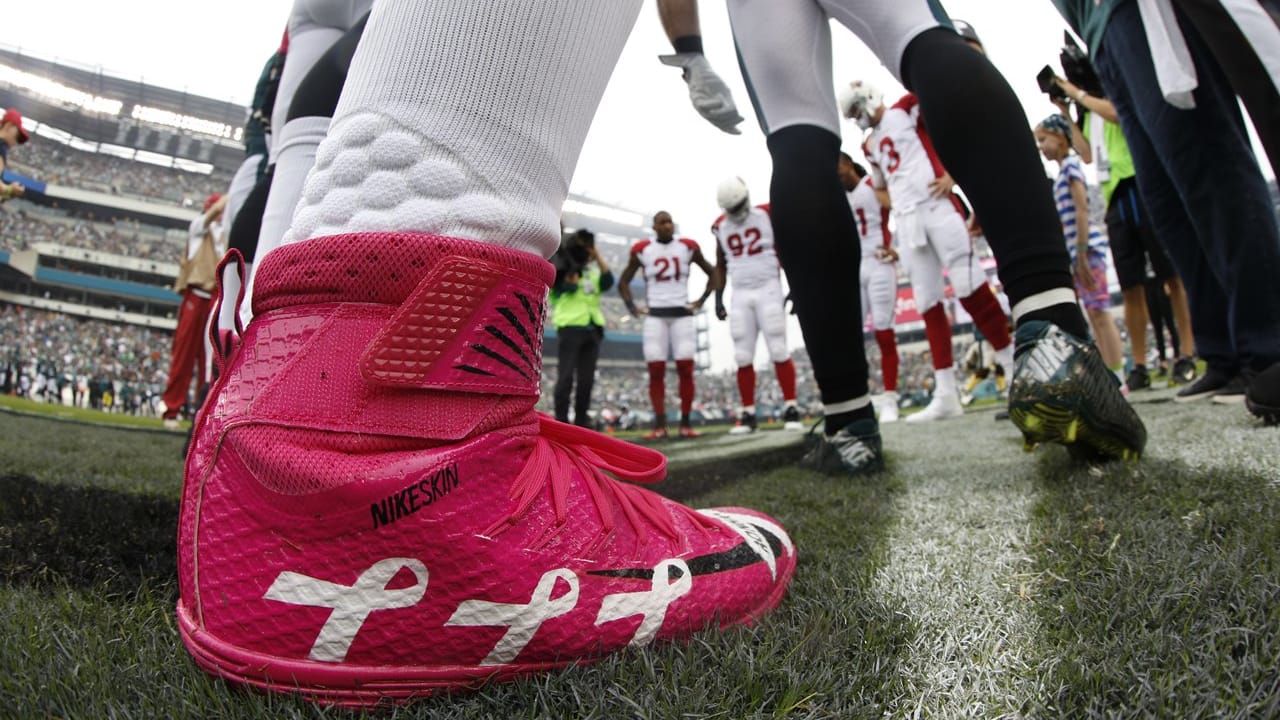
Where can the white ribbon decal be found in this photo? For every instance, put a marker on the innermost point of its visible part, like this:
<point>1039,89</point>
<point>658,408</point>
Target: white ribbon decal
<point>351,604</point>
<point>522,621</point>
<point>652,603</point>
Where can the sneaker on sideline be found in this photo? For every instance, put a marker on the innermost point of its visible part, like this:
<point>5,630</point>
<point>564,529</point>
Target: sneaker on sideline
<point>856,450</point>
<point>1204,387</point>
<point>1263,397</point>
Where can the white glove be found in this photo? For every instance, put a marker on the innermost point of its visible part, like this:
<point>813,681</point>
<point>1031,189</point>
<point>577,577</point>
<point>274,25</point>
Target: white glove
<point>708,93</point>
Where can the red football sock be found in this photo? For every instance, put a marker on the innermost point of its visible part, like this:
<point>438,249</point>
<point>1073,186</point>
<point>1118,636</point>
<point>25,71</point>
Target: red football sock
<point>787,378</point>
<point>888,343</point>
<point>684,370</point>
<point>658,391</point>
<point>988,316</point>
<point>747,385</point>
<point>938,331</point>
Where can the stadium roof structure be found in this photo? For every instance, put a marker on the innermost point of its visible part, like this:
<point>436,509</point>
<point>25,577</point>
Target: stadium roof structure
<point>93,106</point>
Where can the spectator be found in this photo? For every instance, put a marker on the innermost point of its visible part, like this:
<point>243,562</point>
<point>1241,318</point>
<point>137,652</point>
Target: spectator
<point>582,275</point>
<point>196,282</point>
<point>1135,250</point>
<point>11,135</point>
<point>1204,192</point>
<point>1087,247</point>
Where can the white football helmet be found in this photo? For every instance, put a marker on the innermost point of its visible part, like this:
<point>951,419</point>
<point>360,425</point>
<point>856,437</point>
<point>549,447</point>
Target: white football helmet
<point>734,197</point>
<point>858,101</point>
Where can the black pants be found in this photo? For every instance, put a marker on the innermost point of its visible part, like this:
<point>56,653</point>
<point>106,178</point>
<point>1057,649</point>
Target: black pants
<point>1244,70</point>
<point>579,351</point>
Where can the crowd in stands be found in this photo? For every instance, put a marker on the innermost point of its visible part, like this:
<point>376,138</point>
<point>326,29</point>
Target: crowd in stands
<point>59,164</point>
<point>23,224</point>
<point>55,358</point>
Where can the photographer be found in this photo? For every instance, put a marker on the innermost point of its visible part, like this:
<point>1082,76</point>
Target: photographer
<point>581,276</point>
<point>1207,200</point>
<point>1134,246</point>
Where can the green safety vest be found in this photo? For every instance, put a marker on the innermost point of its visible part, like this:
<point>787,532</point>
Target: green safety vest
<point>581,307</point>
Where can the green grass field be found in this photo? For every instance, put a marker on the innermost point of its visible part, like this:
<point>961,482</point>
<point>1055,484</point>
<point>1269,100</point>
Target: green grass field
<point>969,580</point>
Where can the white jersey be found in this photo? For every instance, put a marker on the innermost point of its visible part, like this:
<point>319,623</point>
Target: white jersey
<point>902,152</point>
<point>748,247</point>
<point>666,270</point>
<point>871,217</point>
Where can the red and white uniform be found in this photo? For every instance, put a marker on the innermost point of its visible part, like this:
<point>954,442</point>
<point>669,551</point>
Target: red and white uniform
<point>756,305</point>
<point>878,277</point>
<point>668,328</point>
<point>931,231</point>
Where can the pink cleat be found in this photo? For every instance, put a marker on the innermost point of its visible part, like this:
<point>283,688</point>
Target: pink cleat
<point>373,512</point>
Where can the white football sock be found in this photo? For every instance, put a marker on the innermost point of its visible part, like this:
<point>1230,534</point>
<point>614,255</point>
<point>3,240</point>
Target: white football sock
<point>464,119</point>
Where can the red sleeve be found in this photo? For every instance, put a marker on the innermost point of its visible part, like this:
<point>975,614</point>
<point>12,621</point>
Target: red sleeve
<point>866,151</point>
<point>715,226</point>
<point>639,247</point>
<point>766,209</point>
<point>927,142</point>
<point>907,103</point>
<point>691,244</point>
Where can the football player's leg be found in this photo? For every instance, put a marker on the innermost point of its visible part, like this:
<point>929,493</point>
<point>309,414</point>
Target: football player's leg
<point>657,344</point>
<point>791,92</point>
<point>399,342</point>
<point>882,293</point>
<point>405,154</point>
<point>684,344</point>
<point>950,237</point>
<point>307,115</point>
<point>773,325</point>
<point>242,184</point>
<point>991,154</point>
<point>925,271</point>
<point>744,329</point>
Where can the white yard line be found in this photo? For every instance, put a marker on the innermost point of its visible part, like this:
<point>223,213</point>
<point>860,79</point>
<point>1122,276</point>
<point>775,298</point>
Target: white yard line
<point>958,567</point>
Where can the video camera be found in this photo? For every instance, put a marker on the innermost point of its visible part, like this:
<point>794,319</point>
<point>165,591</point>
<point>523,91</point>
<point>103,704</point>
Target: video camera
<point>574,253</point>
<point>1075,67</point>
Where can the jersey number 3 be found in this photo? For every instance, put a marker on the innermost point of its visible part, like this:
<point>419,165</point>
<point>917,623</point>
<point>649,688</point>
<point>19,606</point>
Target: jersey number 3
<point>895,160</point>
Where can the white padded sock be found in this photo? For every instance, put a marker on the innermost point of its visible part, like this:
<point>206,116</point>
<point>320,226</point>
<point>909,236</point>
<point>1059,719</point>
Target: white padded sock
<point>464,119</point>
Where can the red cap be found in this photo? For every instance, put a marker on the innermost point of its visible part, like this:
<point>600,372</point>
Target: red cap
<point>209,201</point>
<point>15,117</point>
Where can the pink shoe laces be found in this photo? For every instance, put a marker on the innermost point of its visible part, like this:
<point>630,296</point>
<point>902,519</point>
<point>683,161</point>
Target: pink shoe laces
<point>559,449</point>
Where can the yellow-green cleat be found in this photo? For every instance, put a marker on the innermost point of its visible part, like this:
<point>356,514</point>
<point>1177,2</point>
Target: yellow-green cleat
<point>1062,392</point>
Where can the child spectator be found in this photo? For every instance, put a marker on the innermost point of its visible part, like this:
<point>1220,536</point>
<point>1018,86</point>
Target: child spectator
<point>1087,246</point>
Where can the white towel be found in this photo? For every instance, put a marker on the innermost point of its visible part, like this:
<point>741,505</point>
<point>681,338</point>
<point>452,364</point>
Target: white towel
<point>1175,70</point>
<point>910,226</point>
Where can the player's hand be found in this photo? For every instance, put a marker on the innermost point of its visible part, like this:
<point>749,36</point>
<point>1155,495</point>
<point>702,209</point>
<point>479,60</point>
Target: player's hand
<point>887,254</point>
<point>708,93</point>
<point>786,300</point>
<point>941,187</point>
<point>721,312</point>
<point>695,306</point>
